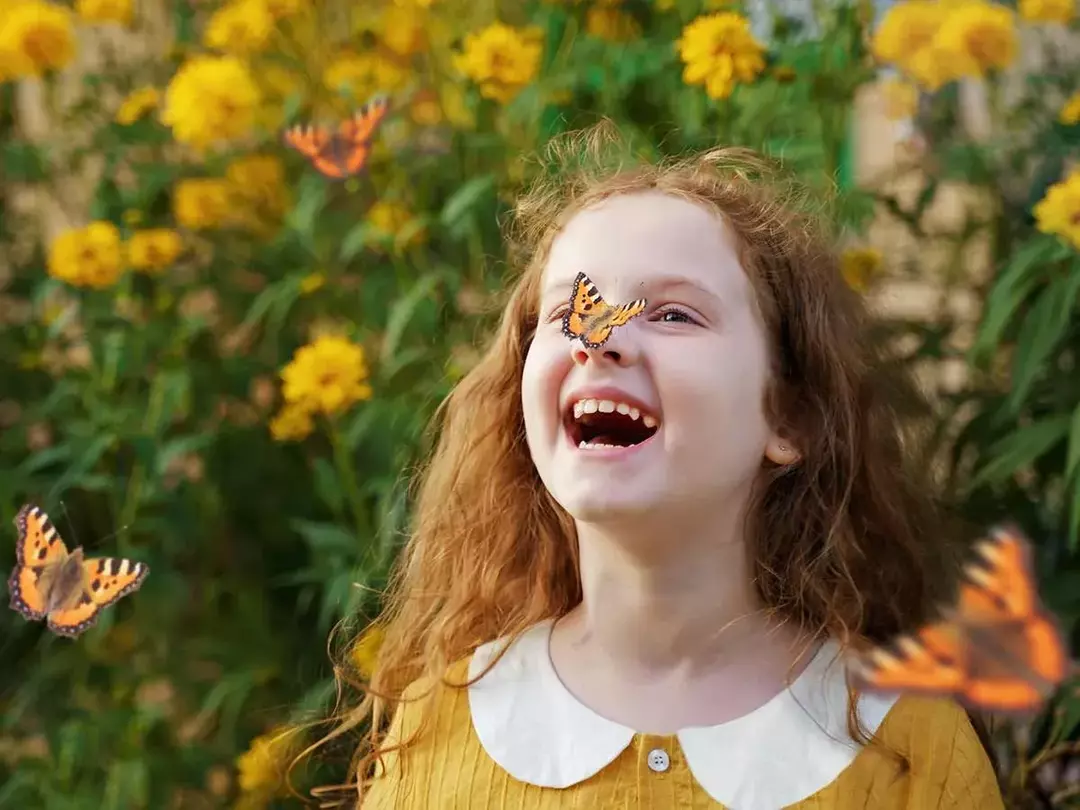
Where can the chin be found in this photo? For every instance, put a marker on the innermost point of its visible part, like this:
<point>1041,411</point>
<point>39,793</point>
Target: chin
<point>595,502</point>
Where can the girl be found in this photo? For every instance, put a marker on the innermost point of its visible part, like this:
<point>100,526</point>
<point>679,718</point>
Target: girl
<point>634,567</point>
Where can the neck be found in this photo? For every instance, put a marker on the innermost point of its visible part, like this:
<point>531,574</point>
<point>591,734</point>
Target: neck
<point>680,601</point>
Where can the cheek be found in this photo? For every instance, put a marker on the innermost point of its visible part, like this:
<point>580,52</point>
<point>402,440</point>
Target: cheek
<point>541,378</point>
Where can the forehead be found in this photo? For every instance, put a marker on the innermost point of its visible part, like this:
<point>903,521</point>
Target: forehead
<point>626,242</point>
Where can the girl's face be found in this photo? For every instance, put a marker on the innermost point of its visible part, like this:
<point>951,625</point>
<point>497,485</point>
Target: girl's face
<point>693,367</point>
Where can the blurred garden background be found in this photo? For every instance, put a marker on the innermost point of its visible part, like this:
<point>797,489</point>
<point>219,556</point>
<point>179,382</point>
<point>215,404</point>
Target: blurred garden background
<point>217,361</point>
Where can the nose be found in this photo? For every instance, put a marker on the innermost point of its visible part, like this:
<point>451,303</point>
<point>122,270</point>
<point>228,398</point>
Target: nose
<point>620,349</point>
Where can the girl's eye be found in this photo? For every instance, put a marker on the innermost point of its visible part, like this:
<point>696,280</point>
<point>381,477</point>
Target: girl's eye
<point>675,315</point>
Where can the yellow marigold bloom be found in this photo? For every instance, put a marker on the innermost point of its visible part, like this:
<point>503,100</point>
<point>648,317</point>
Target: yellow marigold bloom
<point>292,424</point>
<point>240,27</point>
<point>202,203</point>
<point>363,75</point>
<point>87,257</point>
<point>137,104</point>
<point>153,249</point>
<point>100,11</point>
<point>286,8</point>
<point>901,99</point>
<point>365,651</point>
<point>1059,211</point>
<point>262,767</point>
<point>1053,11</point>
<point>859,266</point>
<point>257,183</point>
<point>719,51</point>
<point>401,29</point>
<point>312,282</point>
<point>211,99</point>
<point>1070,110</point>
<point>611,24</point>
<point>326,376</point>
<point>980,36</point>
<point>907,28</point>
<point>34,38</point>
<point>501,60</point>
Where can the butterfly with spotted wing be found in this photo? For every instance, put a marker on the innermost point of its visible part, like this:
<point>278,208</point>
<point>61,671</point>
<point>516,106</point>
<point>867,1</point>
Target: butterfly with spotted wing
<point>997,649</point>
<point>66,589</point>
<point>592,319</point>
<point>344,152</point>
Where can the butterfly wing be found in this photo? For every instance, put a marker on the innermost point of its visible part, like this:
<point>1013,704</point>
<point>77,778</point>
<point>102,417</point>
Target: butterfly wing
<point>1018,653</point>
<point>931,661</point>
<point>37,547</point>
<point>614,317</point>
<point>360,128</point>
<point>586,312</point>
<point>310,141</point>
<point>105,580</point>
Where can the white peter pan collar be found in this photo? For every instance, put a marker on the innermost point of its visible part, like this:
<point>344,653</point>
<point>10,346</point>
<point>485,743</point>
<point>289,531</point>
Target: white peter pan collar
<point>793,746</point>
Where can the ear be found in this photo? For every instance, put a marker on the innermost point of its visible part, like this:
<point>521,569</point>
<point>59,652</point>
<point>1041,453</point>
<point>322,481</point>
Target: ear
<point>782,452</point>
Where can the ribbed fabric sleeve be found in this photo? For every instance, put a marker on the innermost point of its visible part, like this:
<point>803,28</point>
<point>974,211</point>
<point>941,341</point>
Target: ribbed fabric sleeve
<point>925,756</point>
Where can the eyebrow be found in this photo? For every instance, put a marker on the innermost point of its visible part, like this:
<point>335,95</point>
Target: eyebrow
<point>661,283</point>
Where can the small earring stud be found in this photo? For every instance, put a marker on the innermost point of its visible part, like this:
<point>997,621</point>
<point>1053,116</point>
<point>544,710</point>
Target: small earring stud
<point>783,448</point>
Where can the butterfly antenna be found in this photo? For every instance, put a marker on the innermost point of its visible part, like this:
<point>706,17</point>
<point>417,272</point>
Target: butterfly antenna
<point>70,523</point>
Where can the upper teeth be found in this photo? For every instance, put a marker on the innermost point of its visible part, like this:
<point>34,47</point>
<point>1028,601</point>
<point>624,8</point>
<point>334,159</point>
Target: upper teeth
<point>583,406</point>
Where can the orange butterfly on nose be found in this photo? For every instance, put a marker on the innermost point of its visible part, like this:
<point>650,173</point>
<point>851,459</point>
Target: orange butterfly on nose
<point>592,319</point>
<point>997,649</point>
<point>343,152</point>
<point>62,587</point>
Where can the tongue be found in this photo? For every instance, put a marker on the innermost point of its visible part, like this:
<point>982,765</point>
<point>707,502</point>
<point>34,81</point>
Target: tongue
<point>603,438</point>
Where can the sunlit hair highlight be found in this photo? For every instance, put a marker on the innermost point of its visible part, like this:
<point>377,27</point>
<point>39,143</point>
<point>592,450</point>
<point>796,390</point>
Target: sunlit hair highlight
<point>840,540</point>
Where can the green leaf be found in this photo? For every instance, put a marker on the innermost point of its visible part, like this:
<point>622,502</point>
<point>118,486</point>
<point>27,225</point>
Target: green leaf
<point>402,312</point>
<point>311,201</point>
<point>1074,515</point>
<point>326,536</point>
<point>1072,457</point>
<point>355,241</point>
<point>1043,328</point>
<point>463,200</point>
<point>361,423</point>
<point>1021,448</point>
<point>327,485</point>
<point>23,163</point>
<point>1010,290</point>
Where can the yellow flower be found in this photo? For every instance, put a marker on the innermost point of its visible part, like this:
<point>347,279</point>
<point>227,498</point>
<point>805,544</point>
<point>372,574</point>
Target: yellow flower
<point>35,37</point>
<point>363,75</point>
<point>240,27</point>
<point>211,99</point>
<point>154,249</point>
<point>1057,11</point>
<point>286,8</point>
<point>901,99</point>
<point>262,767</point>
<point>858,266</point>
<point>104,10</point>
<point>327,376</point>
<point>292,423</point>
<point>365,651</point>
<point>312,282</point>
<point>425,109</point>
<point>501,60</point>
<point>87,257</point>
<point>137,104</point>
<point>402,30</point>
<point>611,24</point>
<point>1059,211</point>
<point>1070,110</point>
<point>720,51</point>
<point>257,184</point>
<point>979,36</point>
<point>202,203</point>
<point>393,222</point>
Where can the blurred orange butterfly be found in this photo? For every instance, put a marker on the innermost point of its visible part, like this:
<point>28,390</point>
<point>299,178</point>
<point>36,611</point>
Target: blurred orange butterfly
<point>591,318</point>
<point>997,649</point>
<point>345,152</point>
<point>64,588</point>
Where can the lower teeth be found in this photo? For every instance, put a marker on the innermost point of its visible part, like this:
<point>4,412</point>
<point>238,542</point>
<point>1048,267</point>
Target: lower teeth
<point>597,446</point>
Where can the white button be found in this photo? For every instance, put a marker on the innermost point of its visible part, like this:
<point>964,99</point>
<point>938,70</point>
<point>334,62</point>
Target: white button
<point>659,761</point>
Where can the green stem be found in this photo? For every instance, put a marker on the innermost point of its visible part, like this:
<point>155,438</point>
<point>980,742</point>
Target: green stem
<point>348,476</point>
<point>133,495</point>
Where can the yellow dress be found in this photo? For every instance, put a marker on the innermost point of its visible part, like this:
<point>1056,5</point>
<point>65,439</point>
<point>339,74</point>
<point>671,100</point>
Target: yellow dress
<point>519,740</point>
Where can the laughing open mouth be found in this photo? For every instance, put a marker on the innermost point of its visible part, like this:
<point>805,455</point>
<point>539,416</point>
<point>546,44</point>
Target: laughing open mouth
<point>604,423</point>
